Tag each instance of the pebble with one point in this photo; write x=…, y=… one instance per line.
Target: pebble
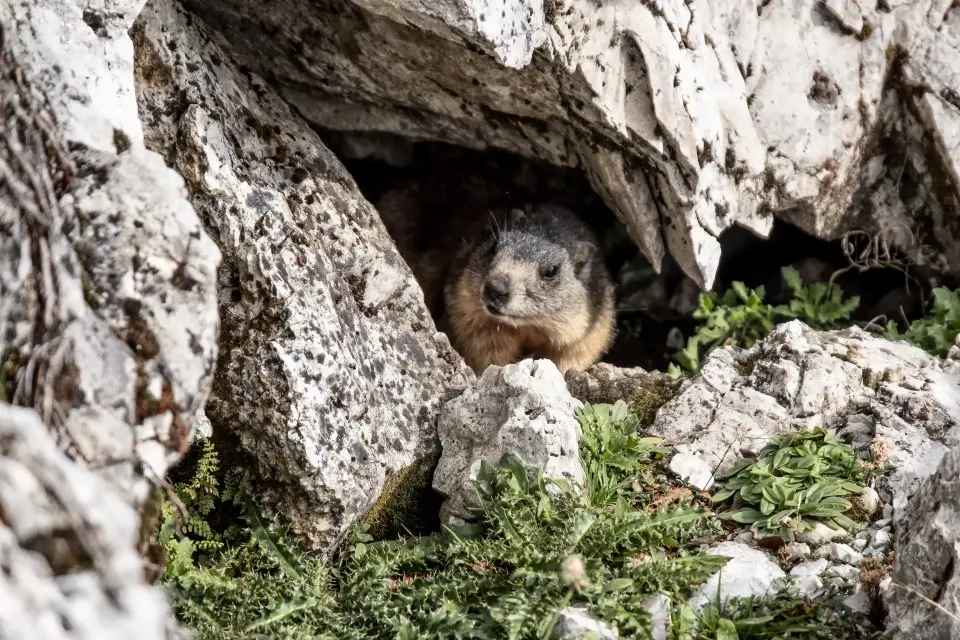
x=808, y=586
x=839, y=553
x=859, y=602
x=881, y=539
x=843, y=571
x=888, y=512
x=870, y=500
x=796, y=550
x=820, y=534
x=810, y=568
x=859, y=544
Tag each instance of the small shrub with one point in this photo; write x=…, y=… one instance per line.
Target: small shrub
x=797, y=480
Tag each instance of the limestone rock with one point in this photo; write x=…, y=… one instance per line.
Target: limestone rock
x=927, y=554
x=108, y=317
x=797, y=378
x=578, y=624
x=660, y=608
x=750, y=572
x=523, y=409
x=69, y=568
x=330, y=373
x=680, y=111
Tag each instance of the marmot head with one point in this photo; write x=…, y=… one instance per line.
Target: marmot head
x=538, y=268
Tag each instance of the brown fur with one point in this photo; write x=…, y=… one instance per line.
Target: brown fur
x=442, y=251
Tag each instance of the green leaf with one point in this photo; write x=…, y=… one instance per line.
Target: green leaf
x=745, y=516
x=726, y=630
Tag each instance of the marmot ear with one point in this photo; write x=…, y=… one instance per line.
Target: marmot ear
x=514, y=216
x=583, y=254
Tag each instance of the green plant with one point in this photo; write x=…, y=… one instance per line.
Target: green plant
x=613, y=457
x=740, y=317
x=936, y=332
x=796, y=480
x=782, y=614
x=819, y=305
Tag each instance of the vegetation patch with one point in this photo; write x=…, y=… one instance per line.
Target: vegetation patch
x=797, y=480
x=740, y=317
x=937, y=331
x=535, y=547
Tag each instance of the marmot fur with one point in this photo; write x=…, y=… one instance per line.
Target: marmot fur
x=507, y=283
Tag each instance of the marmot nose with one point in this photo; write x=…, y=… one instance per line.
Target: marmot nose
x=496, y=291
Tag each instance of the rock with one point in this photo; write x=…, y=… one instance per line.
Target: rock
x=660, y=609
x=806, y=577
x=69, y=567
x=331, y=373
x=750, y=572
x=797, y=378
x=644, y=391
x=821, y=534
x=107, y=280
x=859, y=544
x=810, y=568
x=859, y=603
x=577, y=624
x=927, y=553
x=844, y=572
x=796, y=550
x=688, y=98
x=839, y=553
x=523, y=409
x=690, y=469
x=881, y=539
x=809, y=586
x=869, y=500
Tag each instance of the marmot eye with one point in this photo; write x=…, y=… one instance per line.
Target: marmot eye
x=550, y=272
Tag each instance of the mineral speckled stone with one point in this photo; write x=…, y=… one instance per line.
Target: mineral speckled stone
x=330, y=373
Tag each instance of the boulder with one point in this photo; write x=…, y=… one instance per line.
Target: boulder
x=924, y=597
x=681, y=112
x=69, y=567
x=108, y=316
x=331, y=373
x=797, y=378
x=522, y=409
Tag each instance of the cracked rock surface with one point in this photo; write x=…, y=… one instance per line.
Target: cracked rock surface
x=108, y=317
x=682, y=111
x=330, y=373
x=927, y=557
x=866, y=388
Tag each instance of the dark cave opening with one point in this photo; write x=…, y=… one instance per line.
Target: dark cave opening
x=652, y=309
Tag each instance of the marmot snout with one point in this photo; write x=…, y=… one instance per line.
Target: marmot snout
x=520, y=283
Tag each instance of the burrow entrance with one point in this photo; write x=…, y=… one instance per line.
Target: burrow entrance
x=655, y=311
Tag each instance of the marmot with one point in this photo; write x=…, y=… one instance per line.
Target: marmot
x=508, y=283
